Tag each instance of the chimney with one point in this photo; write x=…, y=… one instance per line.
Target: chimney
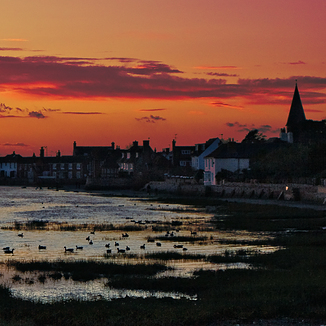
x=113, y=145
x=58, y=153
x=173, y=144
x=135, y=143
x=146, y=144
x=42, y=152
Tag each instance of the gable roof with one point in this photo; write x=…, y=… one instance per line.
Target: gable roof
x=242, y=150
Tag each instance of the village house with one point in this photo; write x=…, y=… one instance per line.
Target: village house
x=181, y=155
x=202, y=150
x=230, y=157
x=9, y=165
x=137, y=159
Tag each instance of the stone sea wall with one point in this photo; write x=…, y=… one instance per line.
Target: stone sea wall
x=296, y=192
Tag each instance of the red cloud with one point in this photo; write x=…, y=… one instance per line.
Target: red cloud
x=78, y=78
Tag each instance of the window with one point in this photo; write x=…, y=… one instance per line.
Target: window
x=185, y=151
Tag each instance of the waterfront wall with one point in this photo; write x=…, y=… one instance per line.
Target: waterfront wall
x=295, y=192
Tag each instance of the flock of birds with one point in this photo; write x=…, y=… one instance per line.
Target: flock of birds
x=8, y=250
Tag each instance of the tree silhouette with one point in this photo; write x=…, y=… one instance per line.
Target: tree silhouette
x=254, y=136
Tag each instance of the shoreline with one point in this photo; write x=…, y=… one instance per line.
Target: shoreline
x=159, y=196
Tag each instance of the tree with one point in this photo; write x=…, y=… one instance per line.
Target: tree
x=254, y=137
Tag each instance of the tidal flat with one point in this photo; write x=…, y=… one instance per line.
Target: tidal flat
x=187, y=265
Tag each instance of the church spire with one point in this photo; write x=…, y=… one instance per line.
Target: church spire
x=296, y=116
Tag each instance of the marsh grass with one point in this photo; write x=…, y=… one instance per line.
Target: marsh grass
x=269, y=218
x=83, y=270
x=170, y=255
x=176, y=238
x=54, y=226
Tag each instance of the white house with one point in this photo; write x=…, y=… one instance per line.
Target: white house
x=9, y=165
x=230, y=156
x=202, y=150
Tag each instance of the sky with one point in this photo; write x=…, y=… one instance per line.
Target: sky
x=104, y=71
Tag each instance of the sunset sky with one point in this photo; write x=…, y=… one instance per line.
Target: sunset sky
x=104, y=71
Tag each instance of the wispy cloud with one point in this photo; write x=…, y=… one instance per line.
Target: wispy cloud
x=221, y=74
x=16, y=112
x=38, y=115
x=247, y=127
x=313, y=111
x=10, y=49
x=151, y=119
x=238, y=125
x=297, y=63
x=151, y=110
x=83, y=113
x=226, y=105
x=217, y=67
x=15, y=145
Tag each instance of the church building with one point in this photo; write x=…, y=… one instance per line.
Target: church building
x=298, y=128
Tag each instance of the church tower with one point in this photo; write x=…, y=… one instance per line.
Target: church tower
x=296, y=119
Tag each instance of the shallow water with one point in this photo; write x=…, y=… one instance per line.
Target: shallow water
x=23, y=205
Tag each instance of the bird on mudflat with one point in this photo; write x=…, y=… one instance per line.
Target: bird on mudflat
x=68, y=249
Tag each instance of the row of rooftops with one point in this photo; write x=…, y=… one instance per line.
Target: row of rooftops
x=296, y=118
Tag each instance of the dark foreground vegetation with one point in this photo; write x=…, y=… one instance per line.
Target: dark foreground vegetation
x=289, y=283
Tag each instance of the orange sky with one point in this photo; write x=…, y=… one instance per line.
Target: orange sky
x=104, y=71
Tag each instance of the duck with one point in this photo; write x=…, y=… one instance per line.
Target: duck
x=79, y=248
x=9, y=251
x=116, y=244
x=21, y=235
x=88, y=238
x=159, y=244
x=127, y=248
x=125, y=235
x=107, y=245
x=40, y=247
x=5, y=248
x=108, y=251
x=143, y=246
x=178, y=246
x=121, y=251
x=68, y=249
x=90, y=242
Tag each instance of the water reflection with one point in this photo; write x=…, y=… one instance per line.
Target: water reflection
x=20, y=206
